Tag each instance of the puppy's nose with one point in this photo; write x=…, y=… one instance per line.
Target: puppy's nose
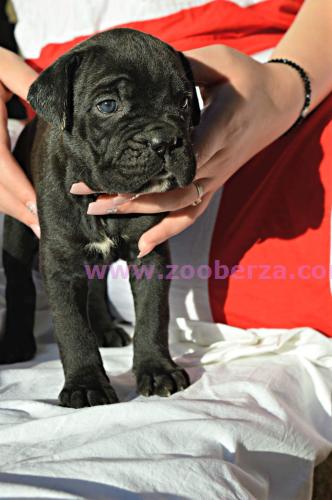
x=159, y=139
x=160, y=143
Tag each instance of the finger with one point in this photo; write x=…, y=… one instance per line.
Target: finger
x=202, y=62
x=10, y=205
x=170, y=226
x=150, y=203
x=4, y=136
x=222, y=166
x=104, y=200
x=206, y=142
x=106, y=204
x=218, y=169
x=5, y=94
x=216, y=125
x=80, y=188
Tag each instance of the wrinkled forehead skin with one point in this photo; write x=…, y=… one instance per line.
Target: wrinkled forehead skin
x=153, y=68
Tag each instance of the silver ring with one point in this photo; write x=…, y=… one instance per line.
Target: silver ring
x=200, y=192
x=112, y=210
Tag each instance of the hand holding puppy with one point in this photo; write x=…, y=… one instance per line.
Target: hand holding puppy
x=17, y=196
x=243, y=113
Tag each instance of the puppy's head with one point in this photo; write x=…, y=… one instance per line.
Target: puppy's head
x=125, y=103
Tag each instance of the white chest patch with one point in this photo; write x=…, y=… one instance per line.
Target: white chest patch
x=102, y=247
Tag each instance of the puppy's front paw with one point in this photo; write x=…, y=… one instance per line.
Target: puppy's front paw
x=114, y=337
x=160, y=380
x=79, y=395
x=16, y=351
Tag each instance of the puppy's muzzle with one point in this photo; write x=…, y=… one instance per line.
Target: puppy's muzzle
x=167, y=142
x=161, y=139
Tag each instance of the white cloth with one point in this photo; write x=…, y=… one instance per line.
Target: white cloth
x=41, y=22
x=253, y=424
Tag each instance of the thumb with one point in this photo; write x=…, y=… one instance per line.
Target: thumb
x=173, y=224
x=14, y=207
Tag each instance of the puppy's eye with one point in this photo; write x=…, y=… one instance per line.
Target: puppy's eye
x=185, y=103
x=108, y=106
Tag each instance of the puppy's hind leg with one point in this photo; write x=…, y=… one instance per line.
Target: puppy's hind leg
x=19, y=247
x=108, y=333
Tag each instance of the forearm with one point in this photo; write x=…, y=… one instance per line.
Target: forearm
x=17, y=196
x=308, y=42
x=15, y=74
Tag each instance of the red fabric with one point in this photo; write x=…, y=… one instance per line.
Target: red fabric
x=276, y=211
x=249, y=29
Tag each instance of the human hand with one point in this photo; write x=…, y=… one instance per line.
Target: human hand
x=247, y=106
x=17, y=196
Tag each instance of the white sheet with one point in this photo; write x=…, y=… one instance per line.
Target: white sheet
x=45, y=21
x=253, y=424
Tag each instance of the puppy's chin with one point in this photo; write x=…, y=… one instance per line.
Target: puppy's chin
x=154, y=178
x=165, y=181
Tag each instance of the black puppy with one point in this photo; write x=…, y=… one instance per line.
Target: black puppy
x=115, y=112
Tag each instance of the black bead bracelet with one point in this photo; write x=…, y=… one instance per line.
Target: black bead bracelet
x=307, y=86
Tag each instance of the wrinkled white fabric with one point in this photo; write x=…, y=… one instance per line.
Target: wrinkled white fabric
x=253, y=424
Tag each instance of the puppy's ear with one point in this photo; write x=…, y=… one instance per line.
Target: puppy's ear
x=196, y=112
x=51, y=95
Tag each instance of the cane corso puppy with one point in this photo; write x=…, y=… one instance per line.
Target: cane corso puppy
x=116, y=112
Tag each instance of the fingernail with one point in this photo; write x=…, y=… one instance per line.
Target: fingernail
x=36, y=229
x=101, y=207
x=144, y=251
x=78, y=188
x=93, y=209
x=32, y=207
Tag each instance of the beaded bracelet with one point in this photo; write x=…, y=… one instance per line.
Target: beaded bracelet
x=307, y=86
